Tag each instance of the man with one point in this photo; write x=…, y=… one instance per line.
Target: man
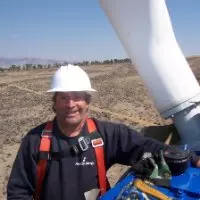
x=73, y=174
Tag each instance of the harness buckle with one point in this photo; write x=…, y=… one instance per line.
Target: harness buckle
x=46, y=134
x=97, y=142
x=83, y=143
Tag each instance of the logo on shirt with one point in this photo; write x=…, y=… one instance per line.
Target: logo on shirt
x=84, y=162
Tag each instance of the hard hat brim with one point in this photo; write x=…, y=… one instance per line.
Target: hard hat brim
x=62, y=90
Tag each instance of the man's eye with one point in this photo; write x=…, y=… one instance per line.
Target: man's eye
x=78, y=97
x=64, y=98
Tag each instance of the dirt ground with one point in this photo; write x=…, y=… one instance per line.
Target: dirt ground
x=121, y=97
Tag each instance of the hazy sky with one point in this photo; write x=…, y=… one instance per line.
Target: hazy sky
x=79, y=30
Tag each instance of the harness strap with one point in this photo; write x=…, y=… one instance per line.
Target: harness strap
x=44, y=154
x=81, y=146
x=99, y=152
x=42, y=164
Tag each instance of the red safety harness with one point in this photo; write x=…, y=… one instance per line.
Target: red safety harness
x=97, y=144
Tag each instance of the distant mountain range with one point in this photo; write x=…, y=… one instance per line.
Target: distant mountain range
x=7, y=62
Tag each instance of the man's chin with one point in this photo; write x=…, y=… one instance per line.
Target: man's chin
x=72, y=121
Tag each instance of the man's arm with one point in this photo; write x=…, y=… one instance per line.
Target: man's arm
x=124, y=145
x=132, y=145
x=21, y=184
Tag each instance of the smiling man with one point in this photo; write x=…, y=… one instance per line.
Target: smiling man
x=71, y=111
x=67, y=158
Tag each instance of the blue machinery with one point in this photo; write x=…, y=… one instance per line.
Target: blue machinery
x=184, y=184
x=182, y=187
x=145, y=31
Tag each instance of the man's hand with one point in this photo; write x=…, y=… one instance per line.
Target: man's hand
x=195, y=160
x=198, y=163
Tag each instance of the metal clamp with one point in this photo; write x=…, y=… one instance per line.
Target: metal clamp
x=83, y=143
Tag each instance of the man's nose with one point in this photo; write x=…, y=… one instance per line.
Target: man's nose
x=70, y=102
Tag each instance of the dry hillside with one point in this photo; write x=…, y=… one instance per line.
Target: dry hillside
x=24, y=104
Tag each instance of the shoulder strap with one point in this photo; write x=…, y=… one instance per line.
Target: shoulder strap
x=45, y=145
x=98, y=144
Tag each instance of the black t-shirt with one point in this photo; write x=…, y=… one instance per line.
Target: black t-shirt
x=72, y=172
x=70, y=177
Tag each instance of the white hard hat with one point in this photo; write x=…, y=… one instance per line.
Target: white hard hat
x=70, y=78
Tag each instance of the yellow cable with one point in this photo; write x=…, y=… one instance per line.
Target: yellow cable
x=142, y=186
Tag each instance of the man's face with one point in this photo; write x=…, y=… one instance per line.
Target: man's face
x=70, y=107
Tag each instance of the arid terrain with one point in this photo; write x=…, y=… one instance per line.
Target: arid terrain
x=24, y=103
